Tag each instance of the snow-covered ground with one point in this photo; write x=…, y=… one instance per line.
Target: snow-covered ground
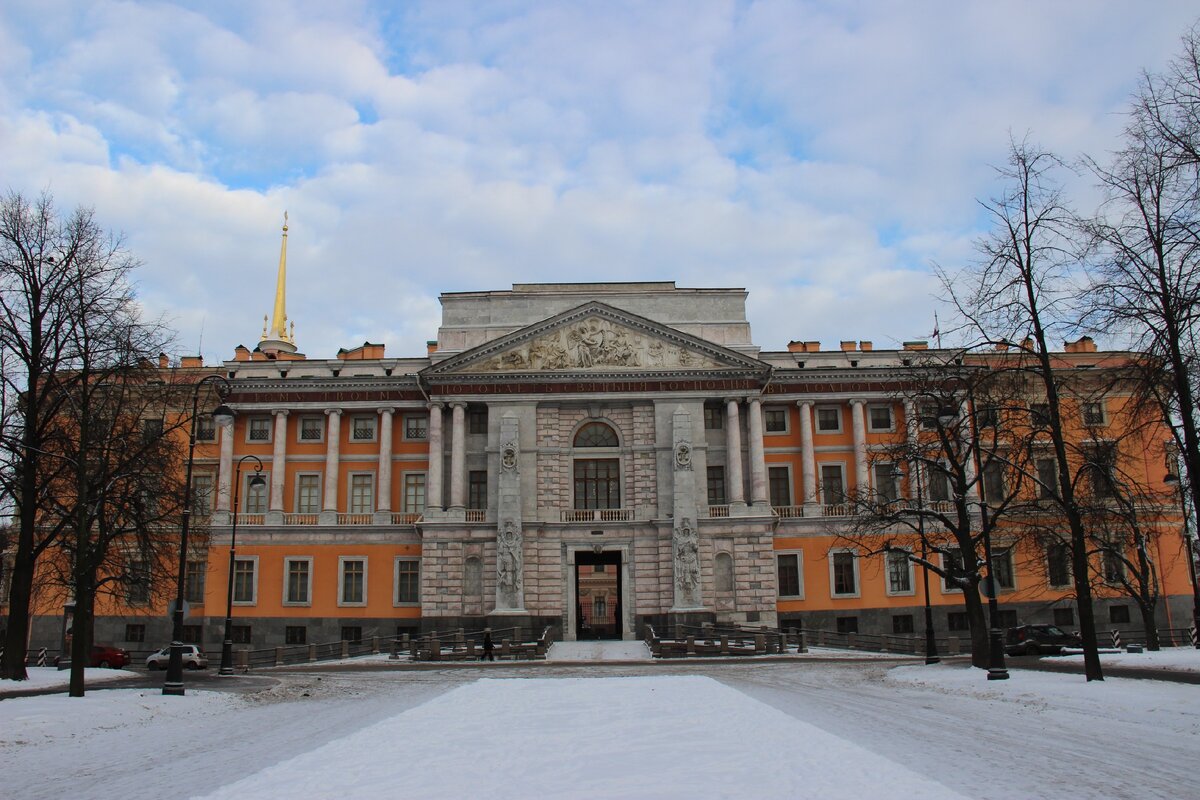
x=764, y=729
x=52, y=677
x=1186, y=659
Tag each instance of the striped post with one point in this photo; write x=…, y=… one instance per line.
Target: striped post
x=1116, y=639
x=1191, y=634
x=41, y=662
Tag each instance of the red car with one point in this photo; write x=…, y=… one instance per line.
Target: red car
x=105, y=655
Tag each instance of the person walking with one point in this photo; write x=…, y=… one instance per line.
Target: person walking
x=489, y=649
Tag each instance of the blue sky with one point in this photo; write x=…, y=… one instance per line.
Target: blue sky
x=822, y=155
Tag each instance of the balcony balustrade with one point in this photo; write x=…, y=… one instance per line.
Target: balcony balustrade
x=718, y=512
x=596, y=515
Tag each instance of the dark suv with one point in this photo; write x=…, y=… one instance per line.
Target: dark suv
x=1038, y=639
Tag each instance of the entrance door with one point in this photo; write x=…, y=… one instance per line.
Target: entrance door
x=598, y=595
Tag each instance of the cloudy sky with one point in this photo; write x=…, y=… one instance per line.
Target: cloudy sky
x=820, y=154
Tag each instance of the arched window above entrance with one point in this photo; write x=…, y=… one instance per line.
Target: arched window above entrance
x=596, y=434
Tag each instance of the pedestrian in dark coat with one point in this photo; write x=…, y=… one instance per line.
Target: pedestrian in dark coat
x=489, y=649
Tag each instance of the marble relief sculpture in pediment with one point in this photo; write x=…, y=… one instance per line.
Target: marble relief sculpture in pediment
x=596, y=343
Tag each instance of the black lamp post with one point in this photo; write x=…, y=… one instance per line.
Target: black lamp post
x=173, y=685
x=931, y=654
x=256, y=480
x=1189, y=546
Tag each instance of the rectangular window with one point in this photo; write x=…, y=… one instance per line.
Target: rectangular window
x=1112, y=563
x=829, y=419
x=240, y=634
x=1101, y=467
x=206, y=428
x=193, y=634
x=298, y=581
x=1058, y=564
x=716, y=486
x=885, y=482
x=993, y=482
x=1047, y=475
x=1118, y=615
x=937, y=483
x=416, y=427
x=952, y=563
x=477, y=489
x=362, y=493
x=408, y=581
x=1064, y=617
x=879, y=418
x=414, y=492
x=902, y=623
x=845, y=574
x=958, y=621
x=714, y=418
x=135, y=633
x=1039, y=415
x=775, y=420
x=352, y=634
x=152, y=430
x=899, y=573
x=988, y=417
x=295, y=634
x=833, y=489
x=308, y=494
x=847, y=624
x=1006, y=618
x=928, y=416
x=245, y=587
x=137, y=581
x=193, y=583
x=790, y=584
x=1002, y=565
x=255, y=497
x=352, y=589
x=258, y=429
x=779, y=481
x=477, y=419
x=600, y=609
x=312, y=429
x=202, y=494
x=597, y=483
x=1093, y=413
x=362, y=428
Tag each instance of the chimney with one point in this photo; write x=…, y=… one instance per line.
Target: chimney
x=795, y=347
x=866, y=347
x=919, y=345
x=849, y=346
x=1085, y=345
x=431, y=347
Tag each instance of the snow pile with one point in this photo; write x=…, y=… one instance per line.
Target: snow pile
x=661, y=737
x=1184, y=659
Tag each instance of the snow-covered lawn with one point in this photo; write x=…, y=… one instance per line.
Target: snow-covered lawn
x=764, y=730
x=1174, y=658
x=51, y=677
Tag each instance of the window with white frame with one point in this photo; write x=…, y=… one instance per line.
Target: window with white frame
x=1093, y=413
x=1058, y=564
x=790, y=574
x=833, y=484
x=137, y=580
x=258, y=429
x=1112, y=563
x=416, y=427
x=829, y=419
x=879, y=418
x=297, y=582
x=362, y=493
x=477, y=420
x=937, y=482
x=885, y=481
x=312, y=429
x=362, y=428
x=206, y=428
x=716, y=485
x=414, y=492
x=993, y=482
x=955, y=569
x=245, y=581
x=1047, y=475
x=255, y=497
x=843, y=573
x=308, y=493
x=193, y=590
x=779, y=483
x=352, y=583
x=714, y=418
x=899, y=573
x=775, y=419
x=202, y=494
x=408, y=581
x=1002, y=568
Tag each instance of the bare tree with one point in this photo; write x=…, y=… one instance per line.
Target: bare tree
x=1021, y=296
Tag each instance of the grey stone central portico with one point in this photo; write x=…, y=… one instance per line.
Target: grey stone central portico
x=596, y=444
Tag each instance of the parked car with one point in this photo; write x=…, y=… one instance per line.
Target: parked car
x=105, y=655
x=193, y=658
x=1038, y=639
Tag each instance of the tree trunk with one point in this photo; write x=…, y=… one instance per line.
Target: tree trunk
x=979, y=627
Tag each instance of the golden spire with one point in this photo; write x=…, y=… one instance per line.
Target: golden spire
x=277, y=337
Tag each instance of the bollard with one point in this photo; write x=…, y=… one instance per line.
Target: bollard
x=393, y=655
x=242, y=660
x=278, y=656
x=1116, y=639
x=374, y=645
x=312, y=652
x=724, y=644
x=760, y=643
x=345, y=649
x=1192, y=634
x=41, y=661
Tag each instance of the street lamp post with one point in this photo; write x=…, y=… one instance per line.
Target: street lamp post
x=173, y=685
x=256, y=480
x=931, y=654
x=1189, y=545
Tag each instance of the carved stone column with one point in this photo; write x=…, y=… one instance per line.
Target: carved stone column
x=759, y=496
x=458, y=457
x=333, y=453
x=224, y=475
x=808, y=457
x=859, y=425
x=383, y=506
x=278, y=469
x=510, y=540
x=685, y=544
x=433, y=476
x=733, y=454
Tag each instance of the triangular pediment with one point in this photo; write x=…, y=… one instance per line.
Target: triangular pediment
x=596, y=338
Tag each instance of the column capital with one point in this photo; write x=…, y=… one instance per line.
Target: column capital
x=432, y=404
x=754, y=401
x=280, y=412
x=385, y=410
x=808, y=403
x=458, y=403
x=333, y=411
x=729, y=400
x=858, y=402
